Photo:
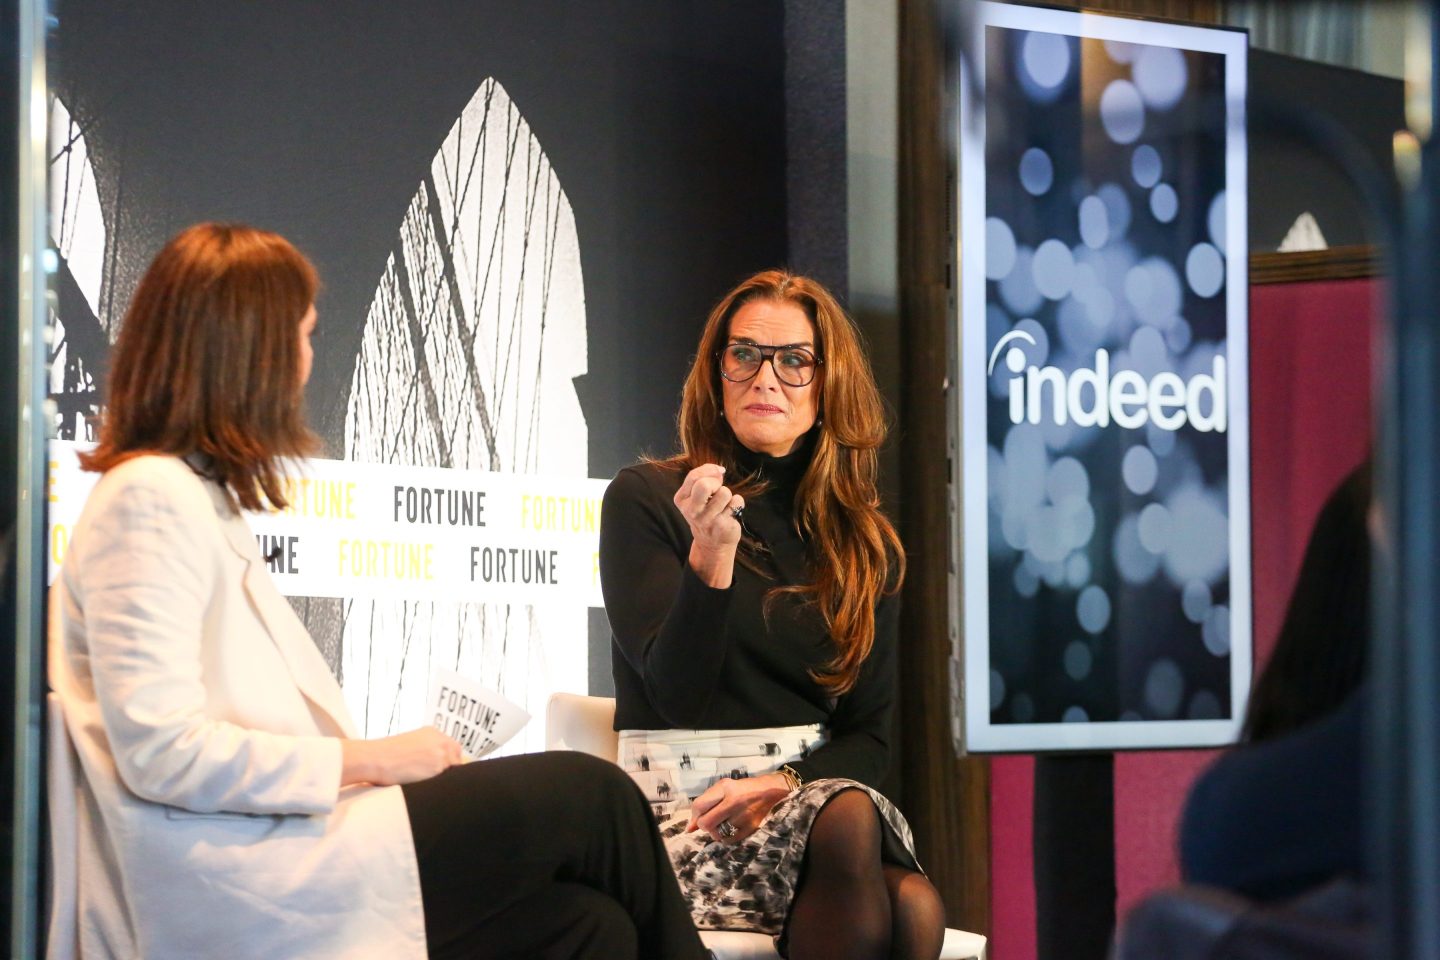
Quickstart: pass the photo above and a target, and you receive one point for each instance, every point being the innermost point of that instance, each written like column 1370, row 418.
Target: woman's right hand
column 709, row 508
column 403, row 758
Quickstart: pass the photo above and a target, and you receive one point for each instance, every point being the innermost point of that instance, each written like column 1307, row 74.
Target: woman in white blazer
column 227, row 807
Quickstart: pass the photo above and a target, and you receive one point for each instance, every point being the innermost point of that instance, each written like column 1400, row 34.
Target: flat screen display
column 1102, row 589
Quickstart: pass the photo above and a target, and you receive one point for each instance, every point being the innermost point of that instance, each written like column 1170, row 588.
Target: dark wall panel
column 665, row 124
column 1292, row 172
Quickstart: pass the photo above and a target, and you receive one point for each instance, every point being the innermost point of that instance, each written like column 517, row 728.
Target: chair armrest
column 586, row 724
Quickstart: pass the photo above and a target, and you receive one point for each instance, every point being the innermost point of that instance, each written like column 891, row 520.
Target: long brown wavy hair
column 208, row 361
column 854, row 549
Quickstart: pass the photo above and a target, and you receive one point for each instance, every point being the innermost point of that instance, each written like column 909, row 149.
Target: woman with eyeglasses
column 751, row 583
column 227, row 805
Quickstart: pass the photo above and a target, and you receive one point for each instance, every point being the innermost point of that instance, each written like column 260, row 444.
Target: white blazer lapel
column 308, row 668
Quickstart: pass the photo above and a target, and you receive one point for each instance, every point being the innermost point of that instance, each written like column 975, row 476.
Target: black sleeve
column 669, row 626
column 859, row 745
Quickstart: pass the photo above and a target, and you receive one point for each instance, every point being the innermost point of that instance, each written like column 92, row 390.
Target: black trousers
column 547, row 856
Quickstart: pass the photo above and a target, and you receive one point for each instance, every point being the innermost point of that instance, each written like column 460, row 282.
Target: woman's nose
column 766, row 378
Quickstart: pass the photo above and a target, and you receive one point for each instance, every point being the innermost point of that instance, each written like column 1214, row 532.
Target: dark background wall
column 664, row 122
column 696, row 142
column 1292, row 100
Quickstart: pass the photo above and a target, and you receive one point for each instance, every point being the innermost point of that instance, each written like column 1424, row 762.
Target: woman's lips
column 762, row 409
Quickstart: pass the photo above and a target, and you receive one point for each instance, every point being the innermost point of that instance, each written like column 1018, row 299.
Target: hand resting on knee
column 402, row 758
column 745, row 803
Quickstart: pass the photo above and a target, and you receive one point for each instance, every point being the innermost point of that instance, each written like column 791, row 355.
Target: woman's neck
column 782, row 473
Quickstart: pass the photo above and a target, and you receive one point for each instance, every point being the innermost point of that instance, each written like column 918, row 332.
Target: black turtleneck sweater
column 689, row 656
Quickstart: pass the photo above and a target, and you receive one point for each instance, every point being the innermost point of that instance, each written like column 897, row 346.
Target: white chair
column 62, row 941
column 586, row 724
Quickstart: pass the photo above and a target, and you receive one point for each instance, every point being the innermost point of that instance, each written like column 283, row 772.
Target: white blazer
column 211, row 821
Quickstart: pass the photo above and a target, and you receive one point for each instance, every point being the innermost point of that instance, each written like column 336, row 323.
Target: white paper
column 479, row 719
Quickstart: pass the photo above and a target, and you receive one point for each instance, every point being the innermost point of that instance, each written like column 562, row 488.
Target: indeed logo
column 1093, row 398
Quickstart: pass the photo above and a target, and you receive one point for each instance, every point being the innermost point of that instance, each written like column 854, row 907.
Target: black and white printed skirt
column 747, row 885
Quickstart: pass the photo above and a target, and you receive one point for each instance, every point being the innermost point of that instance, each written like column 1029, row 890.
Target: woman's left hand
column 744, row 803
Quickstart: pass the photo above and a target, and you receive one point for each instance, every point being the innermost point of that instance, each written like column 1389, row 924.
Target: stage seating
column 574, row 722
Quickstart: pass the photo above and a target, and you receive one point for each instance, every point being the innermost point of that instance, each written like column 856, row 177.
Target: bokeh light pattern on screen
column 1104, row 238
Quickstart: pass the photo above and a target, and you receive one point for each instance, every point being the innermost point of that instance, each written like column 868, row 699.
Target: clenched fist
column 709, row 508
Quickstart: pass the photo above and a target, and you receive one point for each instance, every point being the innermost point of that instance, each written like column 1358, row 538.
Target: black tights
column 849, row 904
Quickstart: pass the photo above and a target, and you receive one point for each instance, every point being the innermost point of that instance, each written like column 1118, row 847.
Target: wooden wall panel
column 947, row 798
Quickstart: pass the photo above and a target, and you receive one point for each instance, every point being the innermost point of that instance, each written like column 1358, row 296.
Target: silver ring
column 726, row 829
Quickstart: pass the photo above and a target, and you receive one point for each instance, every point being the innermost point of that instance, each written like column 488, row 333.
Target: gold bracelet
column 792, row 776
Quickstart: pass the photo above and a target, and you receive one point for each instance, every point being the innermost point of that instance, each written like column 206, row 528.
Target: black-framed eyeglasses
column 794, row 366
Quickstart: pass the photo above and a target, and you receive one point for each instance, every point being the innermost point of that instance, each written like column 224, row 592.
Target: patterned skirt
column 747, row 885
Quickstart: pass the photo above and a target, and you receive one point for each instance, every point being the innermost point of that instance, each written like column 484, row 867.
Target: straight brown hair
column 854, row 549
column 208, row 361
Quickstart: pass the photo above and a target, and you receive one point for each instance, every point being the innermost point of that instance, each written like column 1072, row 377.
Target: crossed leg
column 917, row 928
column 849, row 905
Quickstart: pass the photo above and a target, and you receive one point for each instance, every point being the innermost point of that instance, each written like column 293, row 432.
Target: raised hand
column 709, row 508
